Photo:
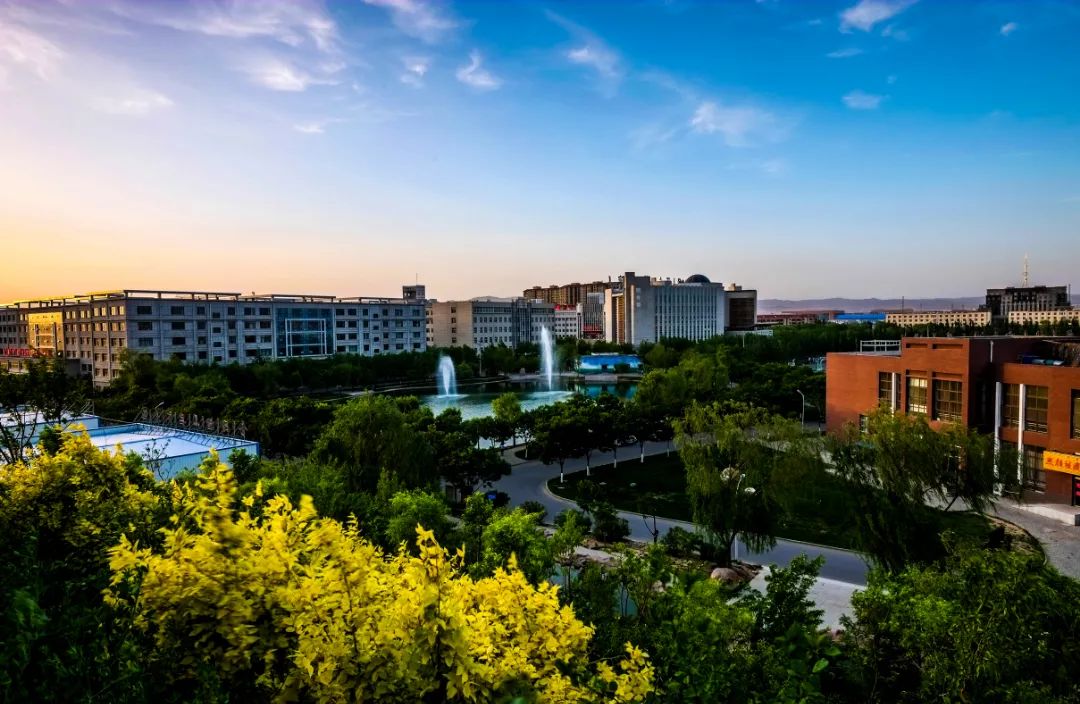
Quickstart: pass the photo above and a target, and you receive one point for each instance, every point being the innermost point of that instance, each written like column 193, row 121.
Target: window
column 916, row 395
column 179, row 341
column 1010, row 405
column 884, row 389
column 147, row 325
column 948, row 400
column 1035, row 408
column 1034, row 475
column 1075, row 414
column 146, row 342
column 144, row 310
column 176, row 310
column 178, row 325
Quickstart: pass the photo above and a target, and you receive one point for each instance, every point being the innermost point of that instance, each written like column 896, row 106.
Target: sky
column 803, row 148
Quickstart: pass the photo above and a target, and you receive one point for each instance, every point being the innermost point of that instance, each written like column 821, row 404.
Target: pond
column 475, row 401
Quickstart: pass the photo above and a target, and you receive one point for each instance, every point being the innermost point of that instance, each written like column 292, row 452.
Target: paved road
column 528, row 482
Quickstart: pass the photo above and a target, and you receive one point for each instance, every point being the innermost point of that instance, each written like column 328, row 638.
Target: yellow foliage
column 307, row 608
column 85, row 495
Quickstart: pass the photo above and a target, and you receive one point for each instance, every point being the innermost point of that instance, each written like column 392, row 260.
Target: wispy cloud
column 292, row 23
column 316, row 126
column 861, row 100
column 591, row 51
column 23, row 49
column 737, row 125
column 844, row 53
column 418, row 18
column 598, row 57
column 865, row 14
column 416, row 67
column 277, row 74
column 1008, row 28
column 137, row 103
column 475, row 75
column 654, row 135
column 774, row 167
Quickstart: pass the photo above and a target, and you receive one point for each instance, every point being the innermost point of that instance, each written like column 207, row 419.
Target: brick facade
column 983, row 367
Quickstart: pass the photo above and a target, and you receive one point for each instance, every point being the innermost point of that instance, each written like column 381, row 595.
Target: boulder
column 725, row 574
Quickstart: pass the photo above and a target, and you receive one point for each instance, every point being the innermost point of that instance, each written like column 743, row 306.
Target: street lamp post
column 802, row 416
column 750, row 491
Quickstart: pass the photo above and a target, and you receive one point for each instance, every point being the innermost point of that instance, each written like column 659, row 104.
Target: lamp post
column 750, row 491
column 802, row 416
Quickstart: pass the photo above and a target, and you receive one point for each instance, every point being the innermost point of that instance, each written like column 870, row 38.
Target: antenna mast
column 1027, row 280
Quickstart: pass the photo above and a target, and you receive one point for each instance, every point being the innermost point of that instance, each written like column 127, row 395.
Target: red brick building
column 1024, row 390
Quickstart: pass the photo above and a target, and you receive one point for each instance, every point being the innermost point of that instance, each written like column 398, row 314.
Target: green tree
column 59, row 515
column 408, row 509
column 45, row 395
column 370, row 434
column 897, row 467
column 736, row 459
column 613, row 425
column 517, row 533
column 474, row 519
column 554, row 436
column 568, row 535
column 507, row 410
column 983, row 626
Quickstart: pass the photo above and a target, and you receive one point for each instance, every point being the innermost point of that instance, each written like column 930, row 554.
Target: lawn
column 819, row 513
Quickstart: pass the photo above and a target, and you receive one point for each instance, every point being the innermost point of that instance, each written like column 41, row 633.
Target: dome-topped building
column 646, row 309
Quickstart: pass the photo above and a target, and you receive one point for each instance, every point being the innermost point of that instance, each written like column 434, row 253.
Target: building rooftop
column 71, row 299
column 174, row 449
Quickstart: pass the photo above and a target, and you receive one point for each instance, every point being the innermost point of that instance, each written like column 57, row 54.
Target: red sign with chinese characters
column 20, row 352
column 1061, row 462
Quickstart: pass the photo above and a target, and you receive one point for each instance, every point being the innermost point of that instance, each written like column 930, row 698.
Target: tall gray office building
column 643, row 309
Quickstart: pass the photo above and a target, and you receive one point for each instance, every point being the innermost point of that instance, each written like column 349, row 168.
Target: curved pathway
column 528, row 480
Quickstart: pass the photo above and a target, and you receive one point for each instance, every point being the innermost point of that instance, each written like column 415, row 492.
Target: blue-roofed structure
column 608, row 363
column 844, row 318
column 168, row 451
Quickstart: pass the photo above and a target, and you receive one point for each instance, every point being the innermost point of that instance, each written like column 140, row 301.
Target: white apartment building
column 210, row 327
column 1021, row 317
column 978, row 318
column 640, row 309
column 484, row 322
column 567, row 321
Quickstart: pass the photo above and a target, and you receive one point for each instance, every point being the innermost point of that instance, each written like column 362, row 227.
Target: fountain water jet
column 547, row 357
column 446, row 377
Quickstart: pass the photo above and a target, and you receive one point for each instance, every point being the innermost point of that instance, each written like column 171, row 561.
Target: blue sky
column 858, row 148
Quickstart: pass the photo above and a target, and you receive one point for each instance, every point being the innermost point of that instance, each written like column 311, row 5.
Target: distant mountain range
column 865, row 305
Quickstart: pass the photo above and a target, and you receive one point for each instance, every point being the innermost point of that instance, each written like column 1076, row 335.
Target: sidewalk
column 1060, row 540
column 1066, row 515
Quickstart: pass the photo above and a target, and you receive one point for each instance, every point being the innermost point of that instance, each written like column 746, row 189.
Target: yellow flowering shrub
column 307, row 609
column 82, row 495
